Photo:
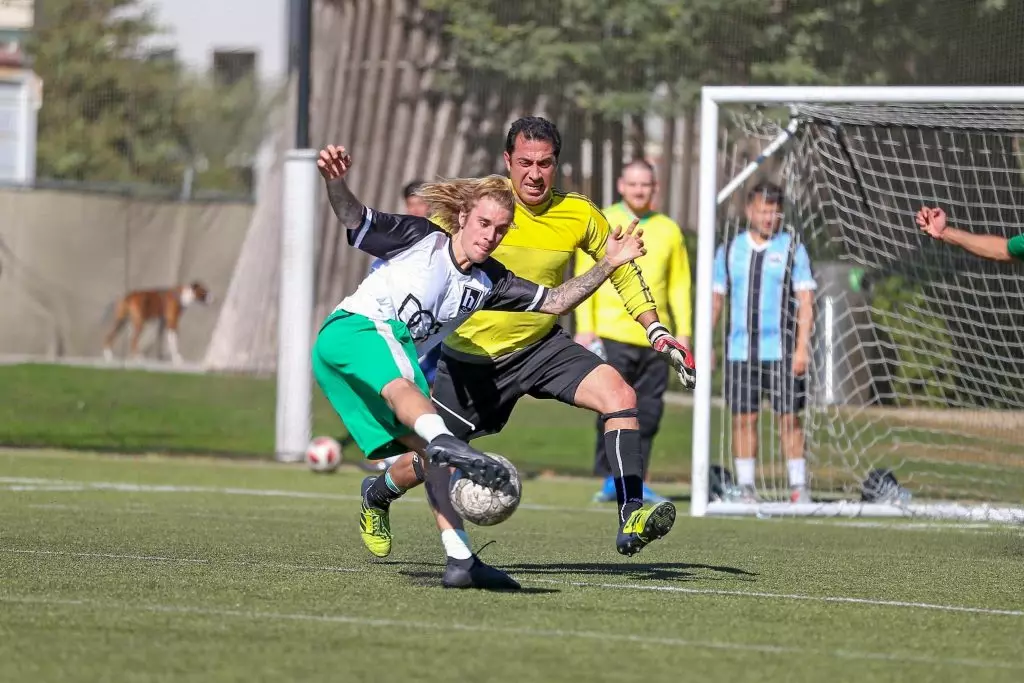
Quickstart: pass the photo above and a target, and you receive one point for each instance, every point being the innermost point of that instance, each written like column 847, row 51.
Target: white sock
column 456, row 544
column 429, row 426
column 797, row 472
column 745, row 471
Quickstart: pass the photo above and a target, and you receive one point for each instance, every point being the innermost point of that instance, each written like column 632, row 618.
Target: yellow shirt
column 538, row 248
column 666, row 269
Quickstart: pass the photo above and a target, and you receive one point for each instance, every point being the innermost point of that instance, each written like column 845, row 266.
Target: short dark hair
column 534, row 128
column 771, row 193
column 412, row 188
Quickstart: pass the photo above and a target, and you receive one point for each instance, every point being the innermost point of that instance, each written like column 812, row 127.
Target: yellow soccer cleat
column 374, row 525
column 647, row 524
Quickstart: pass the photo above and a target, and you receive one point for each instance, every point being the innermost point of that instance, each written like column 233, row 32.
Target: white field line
column 793, row 597
column 967, row 527
column 30, row 485
column 789, row 597
column 976, row 528
column 22, row 484
column 547, row 634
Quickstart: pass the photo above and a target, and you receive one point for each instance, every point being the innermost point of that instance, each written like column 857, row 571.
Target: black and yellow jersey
column 666, row 269
column 538, row 249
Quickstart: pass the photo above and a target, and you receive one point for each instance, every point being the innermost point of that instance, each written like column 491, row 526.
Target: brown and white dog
column 164, row 305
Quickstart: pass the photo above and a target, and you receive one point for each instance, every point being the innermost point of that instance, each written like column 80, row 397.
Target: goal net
column 913, row 399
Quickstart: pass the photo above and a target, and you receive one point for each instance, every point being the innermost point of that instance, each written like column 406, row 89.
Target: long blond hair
column 448, row 198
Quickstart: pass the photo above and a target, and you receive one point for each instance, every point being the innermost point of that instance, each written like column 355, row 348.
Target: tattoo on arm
column 347, row 208
column 571, row 293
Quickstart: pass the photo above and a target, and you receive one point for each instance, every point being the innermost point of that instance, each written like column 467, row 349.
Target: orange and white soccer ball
column 323, row 454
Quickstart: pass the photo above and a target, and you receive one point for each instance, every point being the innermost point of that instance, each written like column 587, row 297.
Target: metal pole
column 295, row 333
column 305, row 58
column 706, row 206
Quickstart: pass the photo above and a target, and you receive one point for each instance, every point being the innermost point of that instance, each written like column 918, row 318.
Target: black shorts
column 746, row 383
column 475, row 396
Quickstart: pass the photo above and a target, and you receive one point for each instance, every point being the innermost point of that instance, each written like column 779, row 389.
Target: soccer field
column 150, row 569
column 134, row 411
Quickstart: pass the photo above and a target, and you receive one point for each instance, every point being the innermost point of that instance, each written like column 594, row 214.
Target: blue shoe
column 607, row 492
column 652, row 498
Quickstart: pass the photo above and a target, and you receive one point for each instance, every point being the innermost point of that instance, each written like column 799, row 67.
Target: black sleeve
column 509, row 292
column 385, row 234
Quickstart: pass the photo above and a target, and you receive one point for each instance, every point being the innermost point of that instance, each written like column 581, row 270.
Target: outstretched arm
column 621, row 248
column 379, row 234
column 513, row 293
column 992, row 247
column 571, row 293
column 333, row 164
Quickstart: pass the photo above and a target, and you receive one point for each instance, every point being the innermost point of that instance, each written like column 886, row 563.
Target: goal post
column 919, row 377
column 294, row 396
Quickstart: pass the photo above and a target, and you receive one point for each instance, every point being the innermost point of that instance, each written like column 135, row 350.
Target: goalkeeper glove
column 680, row 356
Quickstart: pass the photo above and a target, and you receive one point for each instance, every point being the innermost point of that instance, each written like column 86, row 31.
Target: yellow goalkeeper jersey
column 666, row 269
column 538, row 248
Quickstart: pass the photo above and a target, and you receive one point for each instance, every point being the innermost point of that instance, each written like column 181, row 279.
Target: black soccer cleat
column 475, row 573
column 447, row 451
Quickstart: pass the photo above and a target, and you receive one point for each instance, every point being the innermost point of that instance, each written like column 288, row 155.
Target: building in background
column 20, row 95
column 232, row 40
column 229, row 33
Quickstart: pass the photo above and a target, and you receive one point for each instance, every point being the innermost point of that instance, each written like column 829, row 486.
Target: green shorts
column 354, row 358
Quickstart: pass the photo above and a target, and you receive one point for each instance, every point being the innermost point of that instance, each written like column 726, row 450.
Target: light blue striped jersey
column 761, row 279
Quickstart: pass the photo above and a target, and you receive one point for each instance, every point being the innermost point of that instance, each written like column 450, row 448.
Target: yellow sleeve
column 627, row 279
column 586, row 312
column 679, row 283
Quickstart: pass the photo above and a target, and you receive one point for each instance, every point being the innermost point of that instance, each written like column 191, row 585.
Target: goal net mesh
column 917, row 348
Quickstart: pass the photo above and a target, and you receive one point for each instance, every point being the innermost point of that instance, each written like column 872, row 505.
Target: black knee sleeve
column 417, row 468
column 631, row 412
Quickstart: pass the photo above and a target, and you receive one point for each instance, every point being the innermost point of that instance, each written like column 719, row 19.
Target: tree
column 222, row 128
column 108, row 111
column 609, row 57
column 117, row 112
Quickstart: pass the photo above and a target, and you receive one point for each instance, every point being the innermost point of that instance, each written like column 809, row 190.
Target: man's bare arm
column 933, row 221
column 717, row 303
column 571, row 293
column 992, row 247
column 804, row 319
column 347, row 207
column 334, row 163
column 648, row 318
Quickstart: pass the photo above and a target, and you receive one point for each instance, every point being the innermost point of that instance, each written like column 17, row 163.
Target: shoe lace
column 379, row 526
column 481, row 548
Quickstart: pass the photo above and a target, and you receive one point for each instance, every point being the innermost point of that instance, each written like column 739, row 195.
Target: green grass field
column 158, row 569
column 132, row 411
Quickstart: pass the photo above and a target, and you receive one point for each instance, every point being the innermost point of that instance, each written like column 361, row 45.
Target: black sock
column 626, row 462
column 383, row 491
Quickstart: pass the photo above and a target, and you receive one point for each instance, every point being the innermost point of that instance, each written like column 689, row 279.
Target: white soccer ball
column 323, row 454
column 483, row 506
